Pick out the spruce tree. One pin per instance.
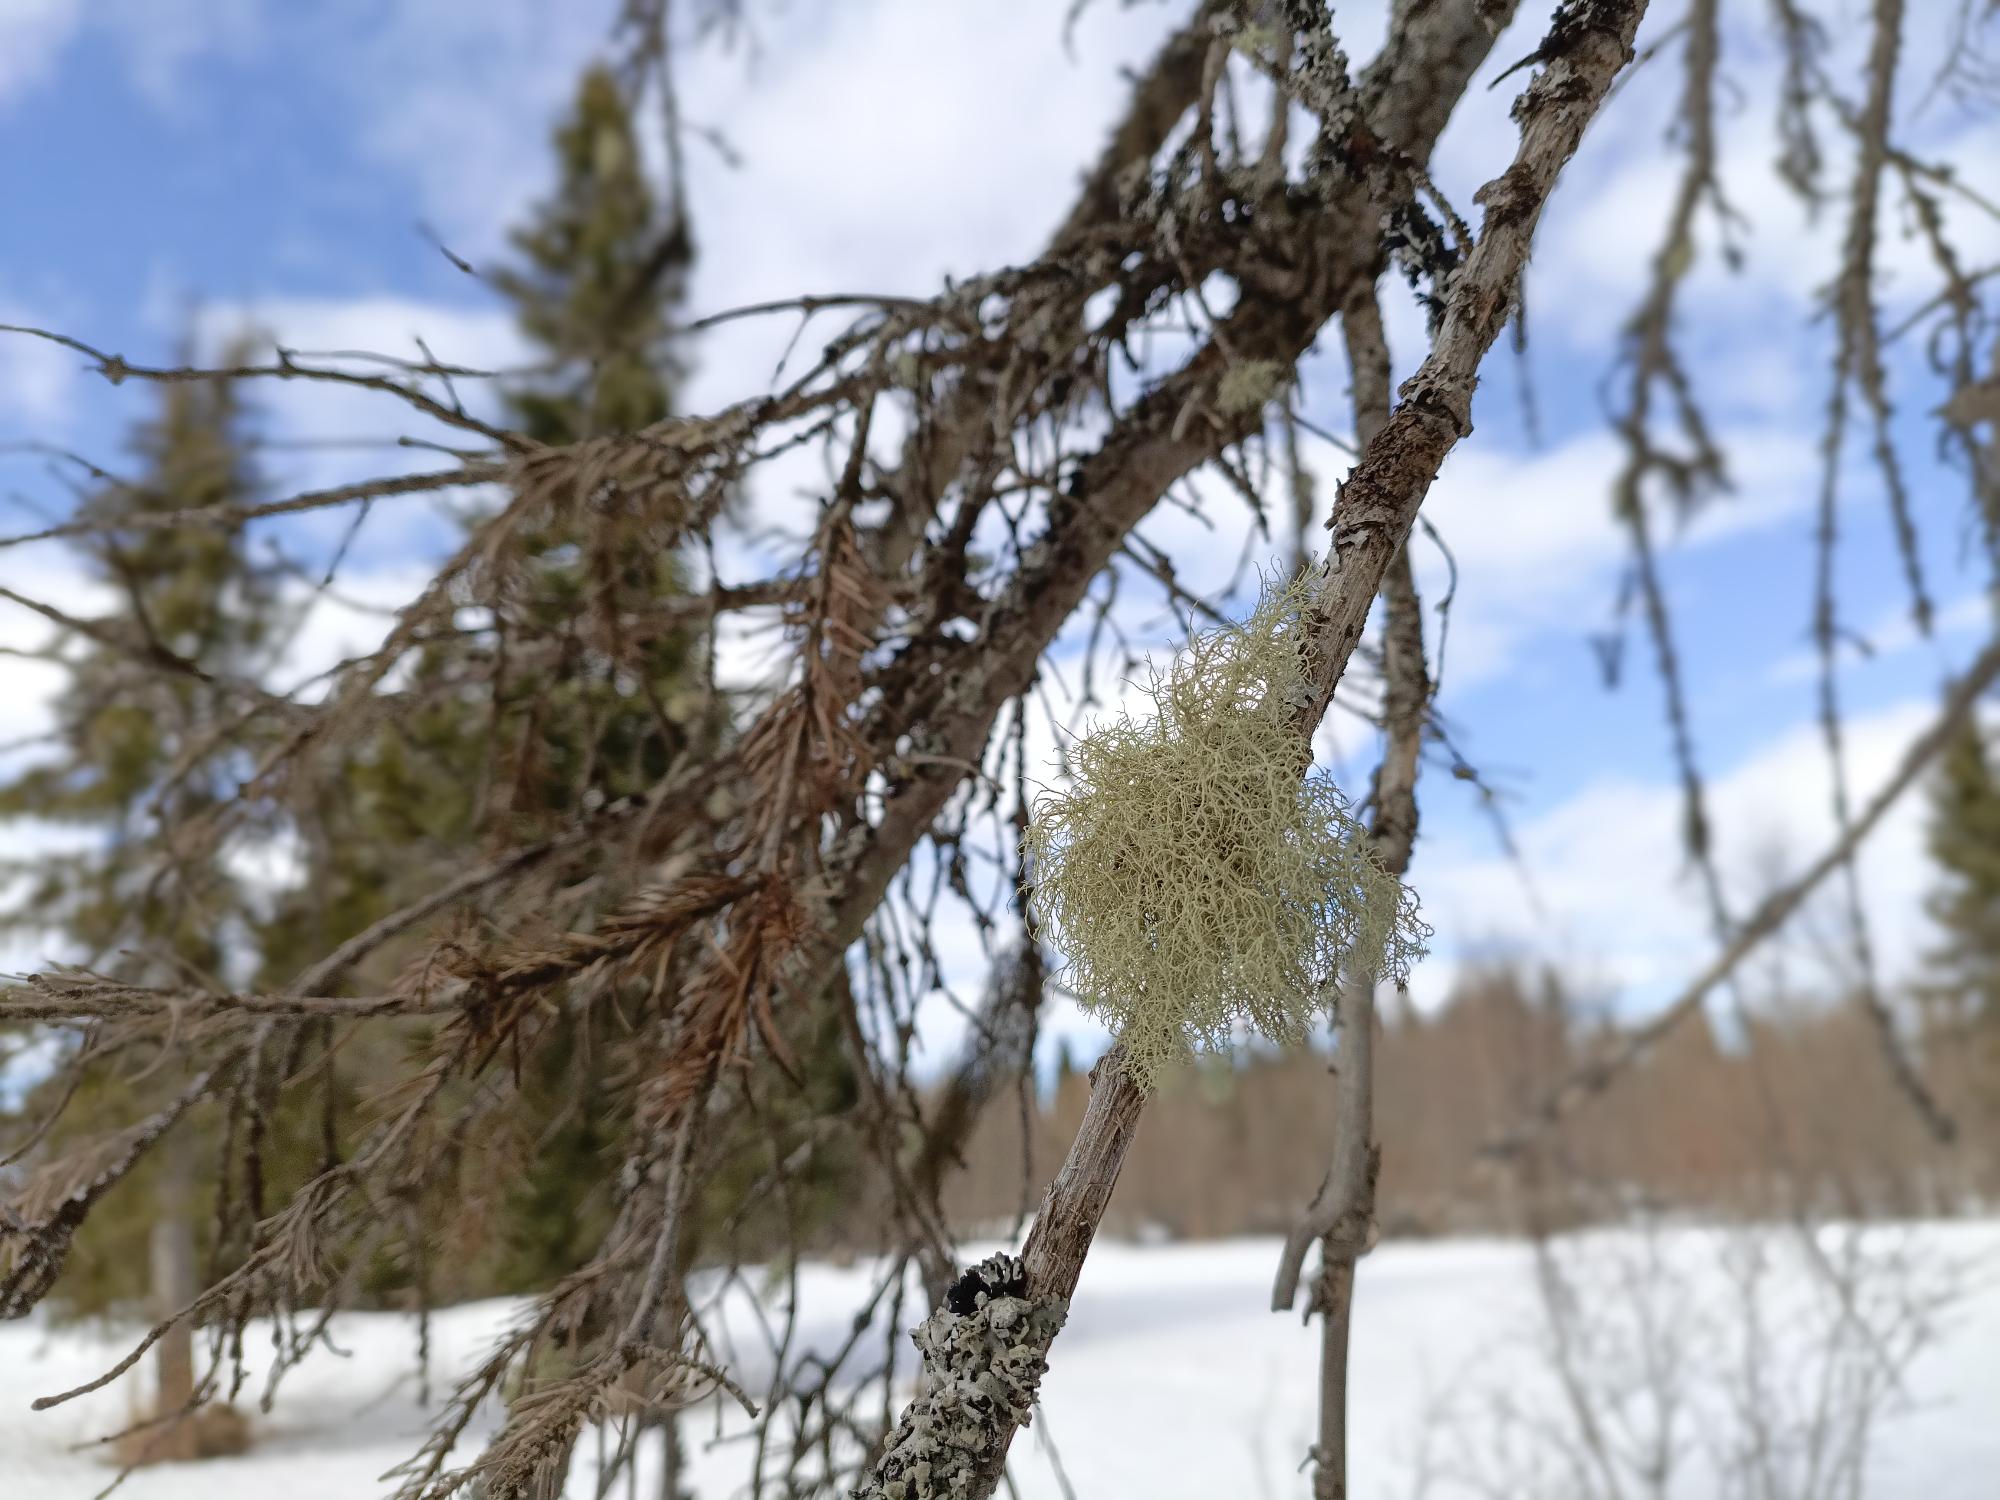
(464, 764)
(602, 271)
(598, 273)
(188, 597)
(1964, 839)
(136, 903)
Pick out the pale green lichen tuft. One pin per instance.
(1259, 40)
(1194, 883)
(1248, 385)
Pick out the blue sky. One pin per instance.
(261, 159)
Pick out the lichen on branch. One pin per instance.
(984, 1352)
(1195, 882)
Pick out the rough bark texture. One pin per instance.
(1407, 97)
(984, 1352)
(1379, 501)
(1049, 1266)
(1343, 1208)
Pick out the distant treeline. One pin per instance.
(1794, 1109)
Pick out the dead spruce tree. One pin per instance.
(990, 454)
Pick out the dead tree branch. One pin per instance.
(1779, 907)
(1372, 516)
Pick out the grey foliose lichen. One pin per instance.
(984, 1352)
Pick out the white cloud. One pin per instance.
(1537, 545)
(161, 38)
(891, 144)
(386, 325)
(888, 144)
(156, 40)
(1594, 253)
(1890, 637)
(325, 434)
(461, 98)
(36, 377)
(1614, 885)
(349, 621)
(29, 681)
(458, 96)
(33, 34)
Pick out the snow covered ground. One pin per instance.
(1172, 1379)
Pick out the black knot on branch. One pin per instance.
(996, 1276)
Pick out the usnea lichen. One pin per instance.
(1194, 882)
(1249, 384)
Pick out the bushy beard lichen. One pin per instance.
(1194, 882)
(984, 1351)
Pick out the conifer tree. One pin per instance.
(1964, 840)
(190, 598)
(135, 903)
(599, 271)
(602, 271)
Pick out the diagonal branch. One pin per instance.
(1372, 517)
(1593, 1078)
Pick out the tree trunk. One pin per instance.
(670, 1455)
(174, 1287)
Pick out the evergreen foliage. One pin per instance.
(1965, 842)
(485, 750)
(188, 595)
(134, 903)
(600, 273)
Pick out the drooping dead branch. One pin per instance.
(1696, 472)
